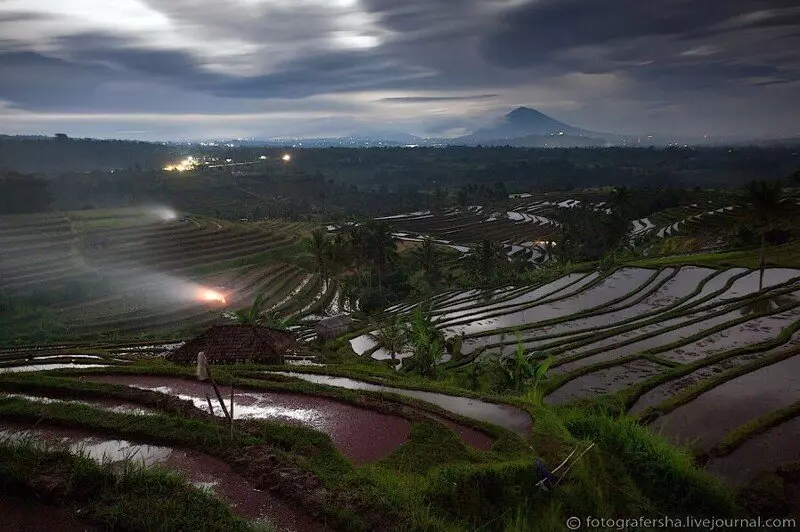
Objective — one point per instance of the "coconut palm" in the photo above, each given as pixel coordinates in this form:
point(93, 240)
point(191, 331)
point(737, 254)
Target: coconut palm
point(487, 256)
point(765, 198)
point(381, 247)
point(621, 201)
point(356, 241)
point(320, 246)
point(392, 334)
point(427, 257)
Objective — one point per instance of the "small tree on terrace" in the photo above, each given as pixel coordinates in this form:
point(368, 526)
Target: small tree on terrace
point(765, 198)
point(392, 334)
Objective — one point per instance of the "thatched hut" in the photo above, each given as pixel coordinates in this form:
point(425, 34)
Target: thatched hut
point(230, 344)
point(333, 326)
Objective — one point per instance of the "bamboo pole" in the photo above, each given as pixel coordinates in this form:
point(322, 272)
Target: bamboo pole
point(210, 406)
point(231, 420)
point(216, 391)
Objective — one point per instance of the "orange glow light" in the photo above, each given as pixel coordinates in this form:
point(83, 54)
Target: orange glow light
point(212, 296)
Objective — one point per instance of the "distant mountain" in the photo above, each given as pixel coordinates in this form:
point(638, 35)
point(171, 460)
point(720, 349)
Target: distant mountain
point(528, 127)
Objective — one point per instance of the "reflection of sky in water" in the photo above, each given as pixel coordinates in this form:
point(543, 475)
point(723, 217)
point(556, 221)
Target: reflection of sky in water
point(114, 450)
point(249, 406)
point(100, 450)
point(507, 416)
point(119, 409)
point(45, 367)
point(66, 356)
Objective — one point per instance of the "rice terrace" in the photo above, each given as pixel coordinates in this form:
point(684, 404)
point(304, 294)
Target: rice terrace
point(335, 340)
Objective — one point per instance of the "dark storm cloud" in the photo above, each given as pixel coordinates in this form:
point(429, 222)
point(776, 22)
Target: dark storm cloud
point(532, 32)
point(590, 58)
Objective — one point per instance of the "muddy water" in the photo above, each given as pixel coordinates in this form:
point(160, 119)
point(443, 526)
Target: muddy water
point(470, 298)
point(512, 418)
point(199, 469)
point(749, 283)
point(528, 297)
point(360, 434)
point(607, 380)
point(683, 284)
point(663, 274)
point(669, 389)
point(715, 284)
point(616, 285)
point(764, 452)
point(616, 351)
point(748, 333)
point(707, 419)
point(482, 323)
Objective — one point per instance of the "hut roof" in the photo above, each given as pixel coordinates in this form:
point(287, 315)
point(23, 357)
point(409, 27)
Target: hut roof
point(223, 344)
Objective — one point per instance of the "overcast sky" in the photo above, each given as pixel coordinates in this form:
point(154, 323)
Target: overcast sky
point(194, 69)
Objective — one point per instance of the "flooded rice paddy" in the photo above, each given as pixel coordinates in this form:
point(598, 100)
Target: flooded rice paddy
point(708, 418)
point(509, 417)
point(361, 434)
point(677, 316)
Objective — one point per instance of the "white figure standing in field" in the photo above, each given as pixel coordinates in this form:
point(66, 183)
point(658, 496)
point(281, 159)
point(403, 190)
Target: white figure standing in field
point(202, 374)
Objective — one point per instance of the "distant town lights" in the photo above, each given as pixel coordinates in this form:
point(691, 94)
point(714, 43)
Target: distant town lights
point(187, 164)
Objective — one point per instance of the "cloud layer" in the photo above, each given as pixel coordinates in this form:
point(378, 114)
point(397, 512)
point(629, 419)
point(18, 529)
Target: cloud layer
point(172, 68)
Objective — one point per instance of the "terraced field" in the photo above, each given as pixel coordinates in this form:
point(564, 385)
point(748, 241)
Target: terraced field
point(700, 353)
point(286, 435)
point(144, 273)
point(458, 228)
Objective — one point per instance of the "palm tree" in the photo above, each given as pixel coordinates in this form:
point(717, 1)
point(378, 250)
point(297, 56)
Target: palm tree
point(392, 335)
point(765, 198)
point(487, 256)
point(356, 241)
point(320, 246)
point(621, 201)
point(381, 247)
point(427, 257)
